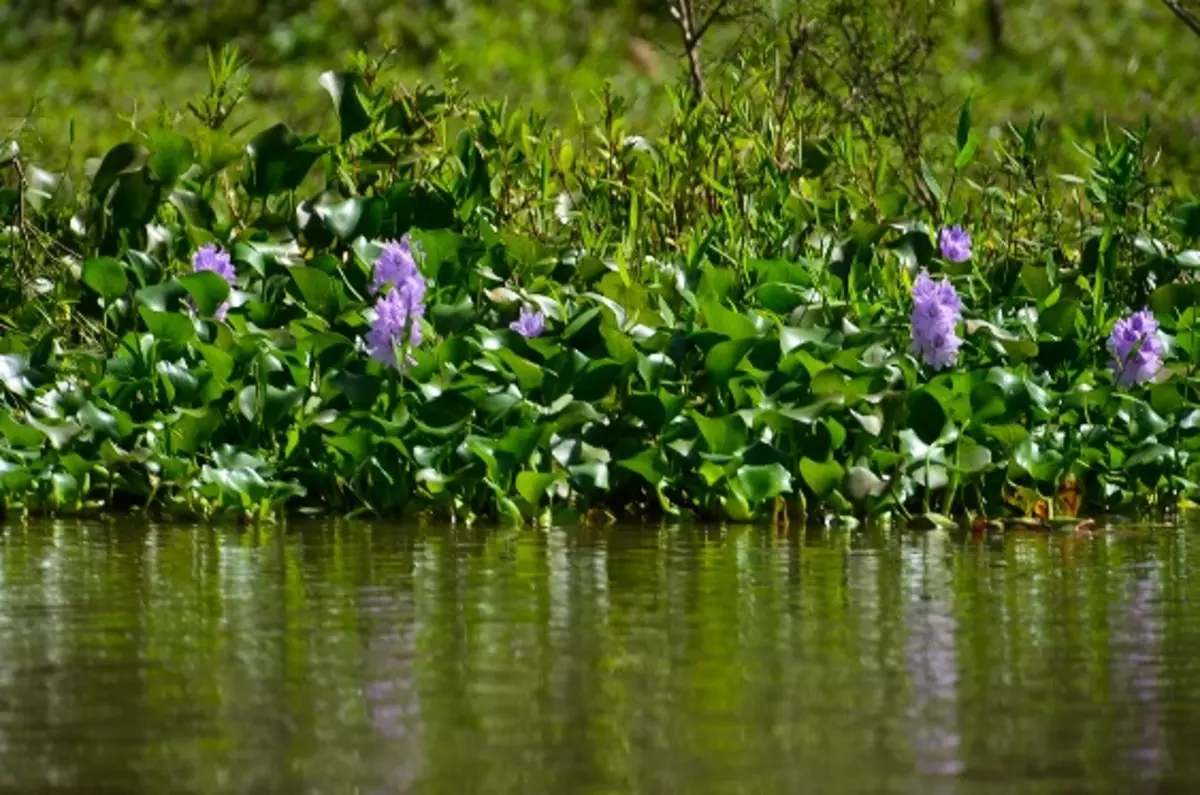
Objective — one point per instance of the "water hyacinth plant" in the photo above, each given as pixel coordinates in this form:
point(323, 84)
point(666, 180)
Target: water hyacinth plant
point(529, 324)
point(936, 313)
point(395, 330)
point(396, 326)
point(1136, 348)
point(709, 363)
point(955, 244)
point(397, 266)
point(211, 257)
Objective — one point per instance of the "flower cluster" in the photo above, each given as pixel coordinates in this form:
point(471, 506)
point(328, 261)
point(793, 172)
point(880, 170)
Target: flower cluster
point(936, 313)
point(396, 265)
point(955, 243)
point(1136, 348)
point(399, 311)
point(211, 257)
point(530, 323)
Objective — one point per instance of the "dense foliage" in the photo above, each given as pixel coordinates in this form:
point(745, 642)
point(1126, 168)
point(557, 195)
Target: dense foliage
point(449, 306)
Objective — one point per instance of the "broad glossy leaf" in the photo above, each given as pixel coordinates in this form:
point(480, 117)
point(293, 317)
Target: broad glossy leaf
point(532, 486)
point(724, 357)
point(726, 321)
point(1040, 463)
point(279, 160)
point(207, 289)
point(343, 89)
point(764, 482)
point(927, 417)
point(124, 158)
point(318, 289)
point(723, 435)
point(168, 326)
point(106, 276)
point(171, 155)
point(273, 403)
point(650, 464)
point(821, 476)
point(862, 483)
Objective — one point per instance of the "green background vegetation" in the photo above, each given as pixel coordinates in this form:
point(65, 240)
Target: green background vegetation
point(103, 65)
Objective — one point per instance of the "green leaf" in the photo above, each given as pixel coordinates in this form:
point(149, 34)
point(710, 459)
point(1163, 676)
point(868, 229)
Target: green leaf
point(276, 403)
point(764, 482)
point(1174, 297)
point(821, 477)
point(987, 402)
point(1036, 281)
point(18, 434)
point(723, 435)
point(343, 219)
point(532, 486)
point(107, 277)
point(1060, 318)
point(279, 160)
point(964, 124)
point(124, 158)
point(592, 474)
point(318, 289)
point(932, 183)
point(343, 89)
point(972, 456)
point(725, 321)
point(862, 483)
point(168, 326)
point(724, 357)
point(1042, 465)
point(529, 375)
point(967, 153)
point(927, 417)
point(208, 289)
point(520, 442)
point(193, 429)
point(161, 297)
point(650, 464)
point(1150, 454)
point(171, 155)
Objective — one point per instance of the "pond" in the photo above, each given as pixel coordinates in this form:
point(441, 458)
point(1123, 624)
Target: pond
point(350, 657)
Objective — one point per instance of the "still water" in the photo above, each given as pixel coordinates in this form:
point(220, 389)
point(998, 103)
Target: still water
point(358, 658)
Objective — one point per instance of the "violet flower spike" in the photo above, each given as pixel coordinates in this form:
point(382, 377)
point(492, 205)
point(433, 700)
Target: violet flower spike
point(955, 243)
point(396, 264)
point(392, 321)
point(211, 257)
point(530, 324)
point(1136, 348)
point(936, 312)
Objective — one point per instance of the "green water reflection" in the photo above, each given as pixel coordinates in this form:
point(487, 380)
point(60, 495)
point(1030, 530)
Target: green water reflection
point(364, 658)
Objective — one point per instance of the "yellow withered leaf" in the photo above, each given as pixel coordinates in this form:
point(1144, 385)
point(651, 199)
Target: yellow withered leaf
point(1069, 496)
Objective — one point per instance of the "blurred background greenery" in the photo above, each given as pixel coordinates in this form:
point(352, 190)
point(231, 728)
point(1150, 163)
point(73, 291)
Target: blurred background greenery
point(80, 73)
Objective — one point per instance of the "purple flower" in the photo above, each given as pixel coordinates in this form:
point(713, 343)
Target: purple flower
point(397, 313)
point(210, 257)
point(936, 312)
point(393, 319)
point(396, 265)
point(1136, 348)
point(530, 324)
point(955, 243)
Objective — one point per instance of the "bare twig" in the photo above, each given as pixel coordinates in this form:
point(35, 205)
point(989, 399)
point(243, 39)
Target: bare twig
point(1186, 15)
point(684, 14)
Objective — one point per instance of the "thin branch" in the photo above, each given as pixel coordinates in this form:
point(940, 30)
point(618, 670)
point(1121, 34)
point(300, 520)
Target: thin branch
point(681, 12)
point(1187, 16)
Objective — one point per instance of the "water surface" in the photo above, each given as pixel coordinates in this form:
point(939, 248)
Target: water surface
point(359, 658)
